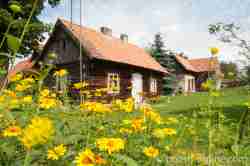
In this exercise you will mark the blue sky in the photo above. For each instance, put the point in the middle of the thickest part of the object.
(183, 23)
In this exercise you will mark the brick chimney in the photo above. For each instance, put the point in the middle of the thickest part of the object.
(124, 38)
(106, 31)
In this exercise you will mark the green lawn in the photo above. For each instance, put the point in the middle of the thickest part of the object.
(231, 101)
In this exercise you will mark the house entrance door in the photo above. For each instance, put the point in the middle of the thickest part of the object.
(137, 87)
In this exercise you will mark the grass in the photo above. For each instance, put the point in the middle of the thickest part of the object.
(231, 101)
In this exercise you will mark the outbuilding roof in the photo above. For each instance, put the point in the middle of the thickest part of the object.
(198, 65)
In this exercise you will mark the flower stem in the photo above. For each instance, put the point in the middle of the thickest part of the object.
(27, 159)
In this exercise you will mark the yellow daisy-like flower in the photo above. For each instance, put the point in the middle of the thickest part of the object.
(214, 51)
(61, 73)
(56, 152)
(47, 99)
(95, 107)
(151, 114)
(39, 131)
(85, 158)
(12, 131)
(45, 93)
(137, 124)
(151, 152)
(27, 99)
(110, 144)
(47, 103)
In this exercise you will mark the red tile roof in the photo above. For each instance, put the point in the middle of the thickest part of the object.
(109, 48)
(198, 65)
(205, 64)
(185, 63)
(21, 66)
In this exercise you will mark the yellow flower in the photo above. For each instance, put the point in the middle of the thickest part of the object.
(137, 124)
(56, 152)
(95, 107)
(12, 131)
(2, 98)
(14, 103)
(16, 77)
(47, 103)
(151, 114)
(47, 100)
(80, 85)
(21, 87)
(9, 93)
(27, 99)
(98, 93)
(151, 152)
(61, 73)
(169, 131)
(44, 93)
(162, 133)
(85, 158)
(214, 51)
(99, 160)
(110, 144)
(39, 131)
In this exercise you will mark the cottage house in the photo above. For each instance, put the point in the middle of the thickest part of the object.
(193, 72)
(106, 61)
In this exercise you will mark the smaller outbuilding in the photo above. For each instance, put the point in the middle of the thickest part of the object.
(193, 72)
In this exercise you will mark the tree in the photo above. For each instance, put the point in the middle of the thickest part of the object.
(229, 33)
(229, 69)
(16, 14)
(167, 59)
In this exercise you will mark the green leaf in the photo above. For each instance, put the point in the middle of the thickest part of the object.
(13, 42)
(127, 160)
(2, 72)
(16, 8)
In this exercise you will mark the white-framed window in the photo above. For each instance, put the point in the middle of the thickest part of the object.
(113, 84)
(153, 85)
